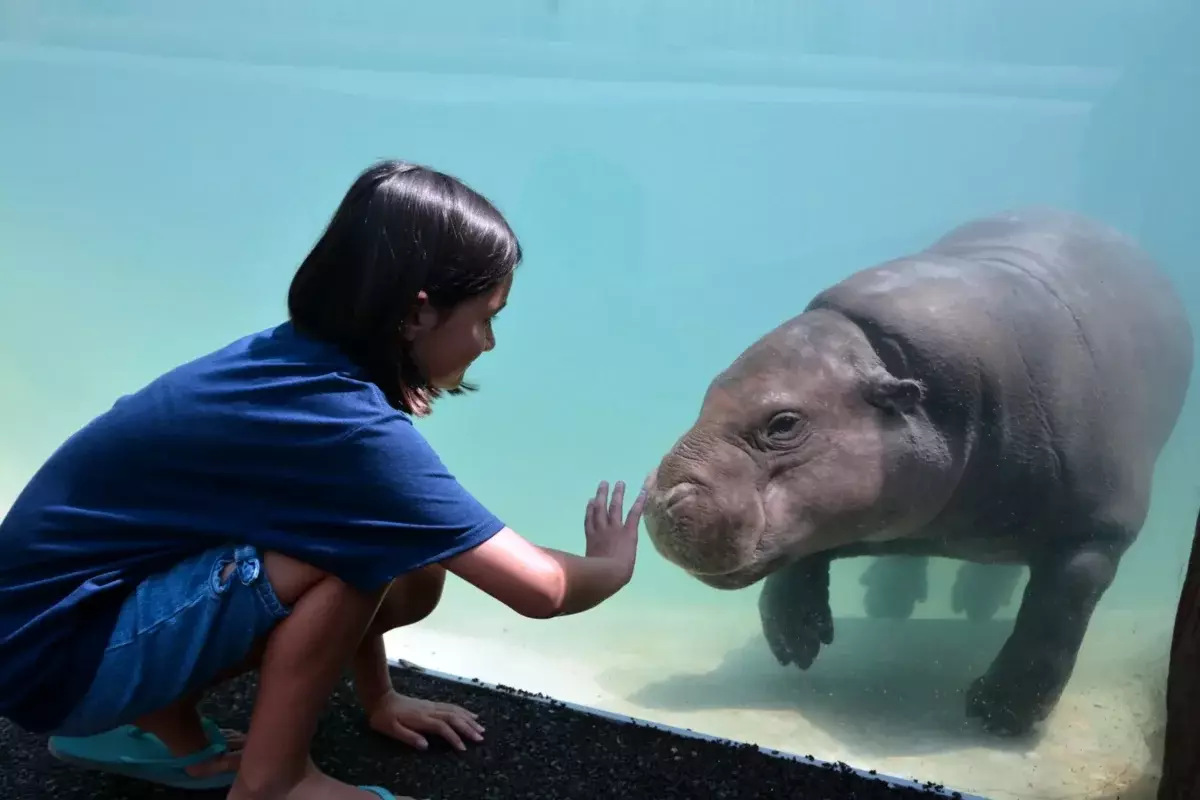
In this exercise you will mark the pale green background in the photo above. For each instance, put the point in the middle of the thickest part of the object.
(683, 176)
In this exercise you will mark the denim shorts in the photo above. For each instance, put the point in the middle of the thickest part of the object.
(175, 634)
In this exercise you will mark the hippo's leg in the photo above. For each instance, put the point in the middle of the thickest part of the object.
(981, 590)
(895, 584)
(1027, 677)
(794, 608)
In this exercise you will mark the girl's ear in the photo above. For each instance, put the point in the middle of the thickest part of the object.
(421, 319)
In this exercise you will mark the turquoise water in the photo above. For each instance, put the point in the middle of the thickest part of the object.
(684, 176)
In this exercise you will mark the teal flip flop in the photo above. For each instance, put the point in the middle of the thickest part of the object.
(135, 753)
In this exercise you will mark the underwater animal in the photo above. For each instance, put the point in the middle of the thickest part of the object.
(1000, 397)
(895, 584)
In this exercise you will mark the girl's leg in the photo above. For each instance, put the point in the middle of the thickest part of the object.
(178, 725)
(311, 625)
(410, 599)
(303, 659)
(299, 662)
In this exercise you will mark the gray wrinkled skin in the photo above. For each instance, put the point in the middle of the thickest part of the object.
(1000, 398)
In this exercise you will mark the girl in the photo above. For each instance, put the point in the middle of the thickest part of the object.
(271, 507)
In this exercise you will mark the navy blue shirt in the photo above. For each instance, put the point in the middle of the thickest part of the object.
(277, 440)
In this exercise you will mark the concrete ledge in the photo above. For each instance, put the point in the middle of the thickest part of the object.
(900, 783)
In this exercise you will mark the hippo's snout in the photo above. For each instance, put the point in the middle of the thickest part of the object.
(669, 511)
(666, 501)
(704, 531)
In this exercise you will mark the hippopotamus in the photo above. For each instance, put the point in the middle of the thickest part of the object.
(1000, 397)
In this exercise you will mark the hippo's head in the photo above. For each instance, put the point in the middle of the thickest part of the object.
(806, 442)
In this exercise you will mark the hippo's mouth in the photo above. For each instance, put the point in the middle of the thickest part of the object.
(711, 535)
(742, 577)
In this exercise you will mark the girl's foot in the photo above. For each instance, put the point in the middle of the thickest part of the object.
(179, 728)
(234, 738)
(226, 762)
(315, 785)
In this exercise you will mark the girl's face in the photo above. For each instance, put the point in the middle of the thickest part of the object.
(445, 343)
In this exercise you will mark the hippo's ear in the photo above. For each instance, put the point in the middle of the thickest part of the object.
(899, 395)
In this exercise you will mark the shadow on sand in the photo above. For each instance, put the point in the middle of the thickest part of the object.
(888, 689)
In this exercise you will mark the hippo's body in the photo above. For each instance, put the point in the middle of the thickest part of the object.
(1000, 397)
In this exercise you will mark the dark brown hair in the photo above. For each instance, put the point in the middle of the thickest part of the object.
(400, 229)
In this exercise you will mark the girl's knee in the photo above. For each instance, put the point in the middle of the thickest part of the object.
(408, 599)
(290, 579)
(411, 598)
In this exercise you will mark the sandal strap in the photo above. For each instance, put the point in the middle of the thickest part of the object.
(215, 749)
(200, 756)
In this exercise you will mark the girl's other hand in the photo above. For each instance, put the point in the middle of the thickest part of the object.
(410, 720)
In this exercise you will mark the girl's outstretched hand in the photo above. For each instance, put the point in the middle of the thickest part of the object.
(609, 536)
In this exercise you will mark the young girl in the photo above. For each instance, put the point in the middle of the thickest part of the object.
(271, 507)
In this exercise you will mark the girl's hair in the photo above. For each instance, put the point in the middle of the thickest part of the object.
(400, 229)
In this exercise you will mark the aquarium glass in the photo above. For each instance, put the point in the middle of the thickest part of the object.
(684, 176)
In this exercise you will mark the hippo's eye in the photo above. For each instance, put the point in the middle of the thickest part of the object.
(784, 426)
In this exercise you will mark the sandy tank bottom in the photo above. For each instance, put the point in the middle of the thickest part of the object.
(884, 696)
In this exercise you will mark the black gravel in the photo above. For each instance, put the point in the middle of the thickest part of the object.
(532, 749)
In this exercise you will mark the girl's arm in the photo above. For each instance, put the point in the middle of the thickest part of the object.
(540, 582)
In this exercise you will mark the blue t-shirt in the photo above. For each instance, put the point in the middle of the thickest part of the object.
(277, 440)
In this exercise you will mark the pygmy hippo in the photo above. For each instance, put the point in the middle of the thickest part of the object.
(1000, 397)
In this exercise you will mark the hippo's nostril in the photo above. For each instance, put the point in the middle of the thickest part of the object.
(666, 515)
(678, 493)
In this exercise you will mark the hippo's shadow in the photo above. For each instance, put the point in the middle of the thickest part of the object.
(883, 688)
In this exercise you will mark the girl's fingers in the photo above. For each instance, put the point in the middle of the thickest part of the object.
(408, 736)
(635, 510)
(595, 509)
(618, 503)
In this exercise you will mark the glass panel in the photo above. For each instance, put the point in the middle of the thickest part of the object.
(684, 176)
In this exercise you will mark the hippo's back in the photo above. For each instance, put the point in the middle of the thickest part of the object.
(1122, 307)
(1053, 344)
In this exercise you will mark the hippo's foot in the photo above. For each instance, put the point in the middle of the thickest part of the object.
(895, 584)
(794, 608)
(980, 590)
(1026, 679)
(1006, 709)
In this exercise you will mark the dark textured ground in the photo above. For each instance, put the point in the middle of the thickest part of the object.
(531, 750)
